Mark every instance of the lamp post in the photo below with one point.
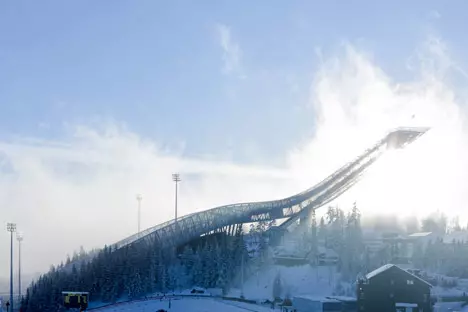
(19, 238)
(176, 179)
(11, 227)
(139, 198)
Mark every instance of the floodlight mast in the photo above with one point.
(139, 198)
(11, 227)
(176, 179)
(19, 238)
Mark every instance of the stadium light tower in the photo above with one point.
(139, 198)
(176, 179)
(11, 227)
(19, 238)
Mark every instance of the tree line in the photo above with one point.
(140, 269)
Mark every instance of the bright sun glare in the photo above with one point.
(415, 180)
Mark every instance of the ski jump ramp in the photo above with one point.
(175, 233)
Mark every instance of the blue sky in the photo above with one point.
(158, 66)
(248, 100)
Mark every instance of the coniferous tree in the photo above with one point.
(277, 287)
(314, 238)
(139, 269)
(322, 233)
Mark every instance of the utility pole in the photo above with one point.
(11, 227)
(176, 179)
(139, 198)
(19, 237)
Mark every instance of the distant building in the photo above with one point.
(392, 244)
(390, 288)
(376, 241)
(457, 236)
(324, 304)
(419, 242)
(276, 234)
(290, 261)
(326, 256)
(373, 241)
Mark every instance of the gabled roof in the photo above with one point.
(379, 270)
(420, 234)
(389, 266)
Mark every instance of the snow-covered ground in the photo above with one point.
(211, 305)
(297, 280)
(448, 307)
(186, 304)
(446, 292)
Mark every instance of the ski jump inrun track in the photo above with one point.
(175, 233)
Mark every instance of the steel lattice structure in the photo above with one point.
(173, 233)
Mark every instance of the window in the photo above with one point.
(409, 282)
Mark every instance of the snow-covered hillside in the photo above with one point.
(298, 280)
(310, 280)
(212, 305)
(186, 304)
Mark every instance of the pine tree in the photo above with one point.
(277, 287)
(323, 232)
(162, 273)
(222, 265)
(313, 238)
(209, 266)
(354, 247)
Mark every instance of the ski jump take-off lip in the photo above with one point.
(174, 233)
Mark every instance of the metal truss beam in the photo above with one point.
(173, 233)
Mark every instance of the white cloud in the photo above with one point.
(81, 191)
(232, 52)
(355, 102)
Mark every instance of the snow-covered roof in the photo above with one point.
(405, 305)
(390, 266)
(315, 298)
(75, 293)
(379, 270)
(420, 234)
(342, 298)
(290, 257)
(393, 237)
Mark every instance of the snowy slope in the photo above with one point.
(298, 280)
(185, 305)
(448, 307)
